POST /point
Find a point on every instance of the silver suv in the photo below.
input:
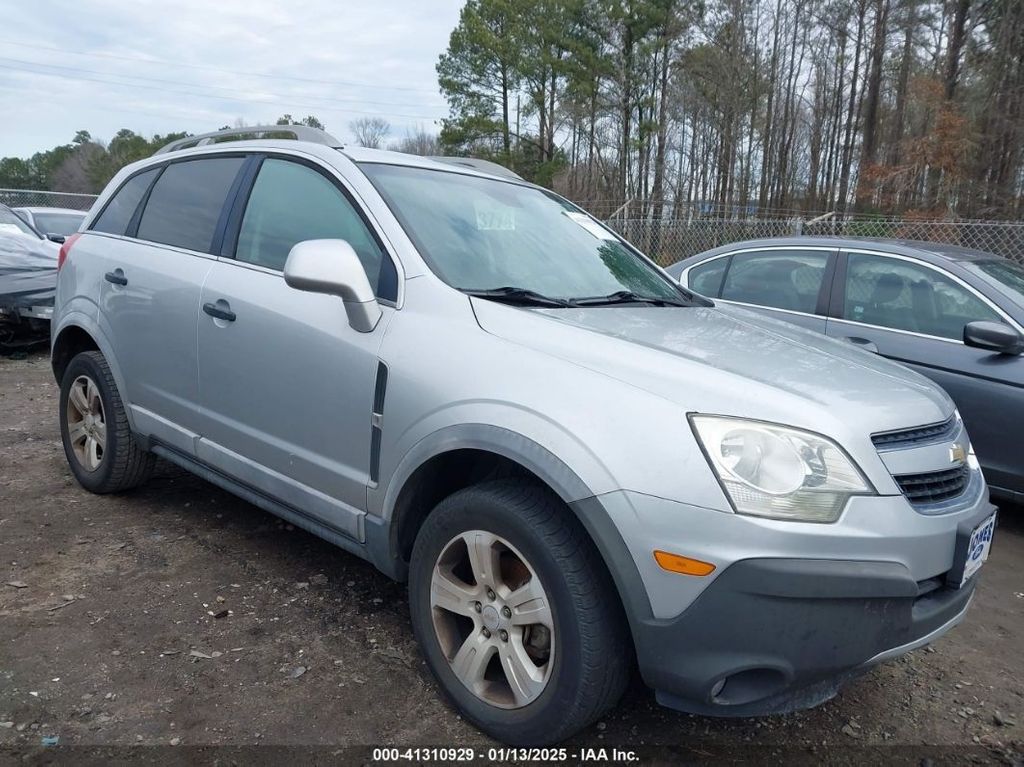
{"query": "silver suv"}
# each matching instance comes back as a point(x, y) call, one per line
point(578, 465)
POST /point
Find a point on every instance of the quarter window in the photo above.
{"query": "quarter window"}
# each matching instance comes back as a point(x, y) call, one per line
point(898, 294)
point(119, 211)
point(185, 205)
point(290, 203)
point(779, 279)
point(706, 278)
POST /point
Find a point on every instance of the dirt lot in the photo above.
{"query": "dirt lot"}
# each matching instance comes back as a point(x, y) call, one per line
point(109, 634)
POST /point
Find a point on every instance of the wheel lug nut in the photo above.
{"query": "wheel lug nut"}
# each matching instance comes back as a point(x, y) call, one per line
point(504, 635)
point(490, 594)
point(477, 606)
point(487, 633)
point(506, 612)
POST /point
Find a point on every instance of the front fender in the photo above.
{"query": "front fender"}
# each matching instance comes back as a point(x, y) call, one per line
point(590, 508)
point(495, 439)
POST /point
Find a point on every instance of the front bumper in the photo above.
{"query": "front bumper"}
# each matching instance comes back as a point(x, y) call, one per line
point(793, 610)
point(777, 635)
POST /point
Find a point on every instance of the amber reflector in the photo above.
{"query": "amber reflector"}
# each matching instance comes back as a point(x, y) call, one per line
point(675, 563)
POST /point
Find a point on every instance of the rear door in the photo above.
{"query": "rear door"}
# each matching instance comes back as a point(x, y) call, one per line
point(787, 283)
point(287, 385)
point(153, 257)
point(914, 313)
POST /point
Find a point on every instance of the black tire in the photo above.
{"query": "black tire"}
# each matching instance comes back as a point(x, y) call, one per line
point(124, 464)
point(593, 654)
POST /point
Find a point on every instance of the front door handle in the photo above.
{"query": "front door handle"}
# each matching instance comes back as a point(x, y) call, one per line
point(862, 343)
point(116, 277)
point(221, 311)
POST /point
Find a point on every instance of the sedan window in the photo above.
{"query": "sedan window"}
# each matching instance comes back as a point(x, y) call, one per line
point(779, 279)
point(706, 278)
point(58, 223)
point(1007, 276)
point(902, 295)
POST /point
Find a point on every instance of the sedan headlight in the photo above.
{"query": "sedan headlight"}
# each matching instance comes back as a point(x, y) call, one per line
point(769, 470)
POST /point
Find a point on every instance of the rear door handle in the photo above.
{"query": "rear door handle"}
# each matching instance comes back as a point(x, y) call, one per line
point(862, 343)
point(222, 312)
point(116, 277)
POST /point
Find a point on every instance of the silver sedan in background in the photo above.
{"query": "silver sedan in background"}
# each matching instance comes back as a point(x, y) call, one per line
point(54, 223)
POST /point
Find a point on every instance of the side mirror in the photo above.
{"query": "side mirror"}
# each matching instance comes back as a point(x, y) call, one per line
point(332, 267)
point(58, 238)
point(993, 336)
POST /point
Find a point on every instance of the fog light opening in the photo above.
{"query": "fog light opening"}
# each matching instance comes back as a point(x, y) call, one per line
point(717, 688)
point(747, 686)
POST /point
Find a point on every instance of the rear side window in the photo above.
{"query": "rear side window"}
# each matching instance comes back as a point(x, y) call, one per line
point(706, 278)
point(119, 211)
point(185, 205)
point(290, 203)
point(780, 279)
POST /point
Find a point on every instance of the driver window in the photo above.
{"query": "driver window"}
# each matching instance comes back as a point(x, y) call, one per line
point(290, 203)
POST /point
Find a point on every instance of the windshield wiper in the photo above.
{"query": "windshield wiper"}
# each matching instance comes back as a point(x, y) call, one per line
point(513, 295)
point(627, 297)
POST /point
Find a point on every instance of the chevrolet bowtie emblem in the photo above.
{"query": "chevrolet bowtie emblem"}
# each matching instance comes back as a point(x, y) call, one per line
point(957, 454)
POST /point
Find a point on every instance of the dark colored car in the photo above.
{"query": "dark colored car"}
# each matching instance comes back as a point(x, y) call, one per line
point(953, 314)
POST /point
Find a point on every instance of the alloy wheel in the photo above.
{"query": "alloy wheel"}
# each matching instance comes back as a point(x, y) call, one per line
point(86, 421)
point(493, 619)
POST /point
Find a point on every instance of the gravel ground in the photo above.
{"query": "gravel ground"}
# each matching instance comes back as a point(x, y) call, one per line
point(178, 614)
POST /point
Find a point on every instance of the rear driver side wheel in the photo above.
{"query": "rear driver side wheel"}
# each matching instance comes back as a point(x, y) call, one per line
point(98, 443)
point(516, 614)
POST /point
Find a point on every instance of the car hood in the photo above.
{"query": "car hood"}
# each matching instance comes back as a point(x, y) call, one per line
point(729, 361)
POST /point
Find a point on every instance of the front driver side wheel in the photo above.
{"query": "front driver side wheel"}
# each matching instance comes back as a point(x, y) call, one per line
point(98, 443)
point(516, 614)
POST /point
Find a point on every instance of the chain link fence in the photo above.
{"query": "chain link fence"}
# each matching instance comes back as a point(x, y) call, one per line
point(33, 198)
point(669, 240)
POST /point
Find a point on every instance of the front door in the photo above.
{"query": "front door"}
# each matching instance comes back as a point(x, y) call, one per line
point(286, 384)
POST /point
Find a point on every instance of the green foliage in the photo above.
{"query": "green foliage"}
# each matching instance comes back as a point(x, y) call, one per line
point(85, 165)
point(479, 74)
point(309, 121)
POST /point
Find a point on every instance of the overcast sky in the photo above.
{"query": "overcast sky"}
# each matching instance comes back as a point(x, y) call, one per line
point(195, 65)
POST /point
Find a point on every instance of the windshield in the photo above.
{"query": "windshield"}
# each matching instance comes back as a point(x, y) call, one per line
point(1008, 276)
point(11, 223)
point(58, 223)
point(480, 234)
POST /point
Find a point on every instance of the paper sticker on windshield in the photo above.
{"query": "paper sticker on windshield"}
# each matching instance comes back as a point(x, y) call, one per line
point(491, 217)
point(590, 225)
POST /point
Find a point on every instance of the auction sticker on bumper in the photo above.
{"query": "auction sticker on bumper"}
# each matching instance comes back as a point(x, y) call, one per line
point(978, 547)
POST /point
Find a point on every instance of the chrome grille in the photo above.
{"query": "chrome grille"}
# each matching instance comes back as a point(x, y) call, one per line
point(919, 435)
point(934, 486)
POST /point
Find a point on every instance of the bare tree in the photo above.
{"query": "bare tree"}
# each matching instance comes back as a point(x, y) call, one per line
point(370, 132)
point(419, 141)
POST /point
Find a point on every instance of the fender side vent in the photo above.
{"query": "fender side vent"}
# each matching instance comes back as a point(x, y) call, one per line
point(376, 419)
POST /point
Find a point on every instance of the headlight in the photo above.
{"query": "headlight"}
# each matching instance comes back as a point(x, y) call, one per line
point(779, 472)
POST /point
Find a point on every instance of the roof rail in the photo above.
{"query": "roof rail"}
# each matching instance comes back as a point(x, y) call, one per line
point(484, 166)
point(298, 132)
